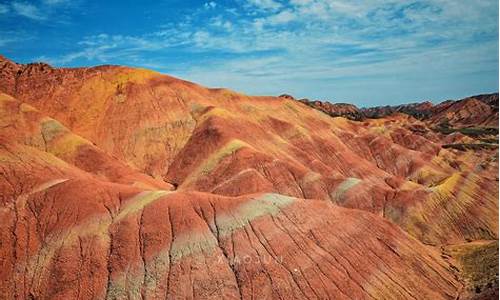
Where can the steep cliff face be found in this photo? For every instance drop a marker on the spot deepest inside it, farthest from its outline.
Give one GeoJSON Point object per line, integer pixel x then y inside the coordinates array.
{"type": "Point", "coordinates": [159, 187]}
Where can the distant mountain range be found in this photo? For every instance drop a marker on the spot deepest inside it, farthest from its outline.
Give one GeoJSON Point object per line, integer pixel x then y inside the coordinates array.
{"type": "Point", "coordinates": [471, 111]}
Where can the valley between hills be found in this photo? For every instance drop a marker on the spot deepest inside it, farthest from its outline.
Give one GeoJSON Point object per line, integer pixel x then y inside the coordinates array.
{"type": "Point", "coordinates": [124, 183]}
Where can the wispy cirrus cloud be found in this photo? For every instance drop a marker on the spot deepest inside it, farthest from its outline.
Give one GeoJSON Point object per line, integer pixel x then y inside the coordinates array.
{"type": "Point", "coordinates": [28, 10]}
{"type": "Point", "coordinates": [36, 11]}
{"type": "Point", "coordinates": [56, 2]}
{"type": "Point", "coordinates": [210, 5]}
{"type": "Point", "coordinates": [265, 4]}
{"type": "Point", "coordinates": [316, 48]}
{"type": "Point", "coordinates": [3, 9]}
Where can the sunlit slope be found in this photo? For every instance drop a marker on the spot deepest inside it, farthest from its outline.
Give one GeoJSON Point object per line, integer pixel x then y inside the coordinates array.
{"type": "Point", "coordinates": [24, 124]}
{"type": "Point", "coordinates": [68, 234]}
{"type": "Point", "coordinates": [222, 142]}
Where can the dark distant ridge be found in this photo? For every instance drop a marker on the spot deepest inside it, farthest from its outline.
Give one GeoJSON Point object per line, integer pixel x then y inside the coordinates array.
{"type": "Point", "coordinates": [480, 109]}
{"type": "Point", "coordinates": [424, 110]}
{"type": "Point", "coordinates": [419, 110]}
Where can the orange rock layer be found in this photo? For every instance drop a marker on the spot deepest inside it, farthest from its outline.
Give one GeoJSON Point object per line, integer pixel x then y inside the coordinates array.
{"type": "Point", "coordinates": [124, 183]}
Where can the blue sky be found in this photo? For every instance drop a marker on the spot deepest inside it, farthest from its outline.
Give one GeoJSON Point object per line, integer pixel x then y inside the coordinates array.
{"type": "Point", "coordinates": [370, 52]}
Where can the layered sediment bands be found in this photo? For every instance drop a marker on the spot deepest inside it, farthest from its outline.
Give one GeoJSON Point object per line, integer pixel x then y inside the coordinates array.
{"type": "Point", "coordinates": [96, 104]}
{"type": "Point", "coordinates": [480, 110]}
{"type": "Point", "coordinates": [26, 125]}
{"type": "Point", "coordinates": [115, 241]}
{"type": "Point", "coordinates": [218, 141]}
{"type": "Point", "coordinates": [124, 183]}
{"type": "Point", "coordinates": [478, 262]}
{"type": "Point", "coordinates": [448, 213]}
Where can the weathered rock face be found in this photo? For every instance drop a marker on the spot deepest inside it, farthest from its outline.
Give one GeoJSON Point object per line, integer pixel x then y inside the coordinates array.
{"type": "Point", "coordinates": [480, 110]}
{"type": "Point", "coordinates": [345, 110]}
{"type": "Point", "coordinates": [24, 124]}
{"type": "Point", "coordinates": [419, 110]}
{"type": "Point", "coordinates": [125, 183]}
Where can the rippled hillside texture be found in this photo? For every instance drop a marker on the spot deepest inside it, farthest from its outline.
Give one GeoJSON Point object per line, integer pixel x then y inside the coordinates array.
{"type": "Point", "coordinates": [122, 183]}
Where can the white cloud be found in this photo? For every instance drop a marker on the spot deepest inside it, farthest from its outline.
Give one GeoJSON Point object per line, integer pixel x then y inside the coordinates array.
{"type": "Point", "coordinates": [282, 17]}
{"type": "Point", "coordinates": [28, 10]}
{"type": "Point", "coordinates": [258, 24]}
{"type": "Point", "coordinates": [347, 78]}
{"type": "Point", "coordinates": [386, 27]}
{"type": "Point", "coordinates": [56, 2]}
{"type": "Point", "coordinates": [300, 2]}
{"type": "Point", "coordinates": [220, 22]}
{"type": "Point", "coordinates": [42, 10]}
{"type": "Point", "coordinates": [3, 9]}
{"type": "Point", "coordinates": [265, 4]}
{"type": "Point", "coordinates": [337, 40]}
{"type": "Point", "coordinates": [5, 41]}
{"type": "Point", "coordinates": [323, 43]}
{"type": "Point", "coordinates": [210, 5]}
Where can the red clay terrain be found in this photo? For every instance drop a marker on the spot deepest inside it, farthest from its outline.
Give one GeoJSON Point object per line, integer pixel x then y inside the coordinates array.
{"type": "Point", "coordinates": [123, 183]}
{"type": "Point", "coordinates": [480, 110]}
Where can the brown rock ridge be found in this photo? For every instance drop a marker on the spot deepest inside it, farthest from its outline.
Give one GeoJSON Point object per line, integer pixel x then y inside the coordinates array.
{"type": "Point", "coordinates": [480, 110]}
{"type": "Point", "coordinates": [419, 110]}
{"type": "Point", "coordinates": [473, 111]}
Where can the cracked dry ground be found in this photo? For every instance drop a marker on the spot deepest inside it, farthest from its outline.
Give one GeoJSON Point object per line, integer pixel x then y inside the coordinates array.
{"type": "Point", "coordinates": [119, 183]}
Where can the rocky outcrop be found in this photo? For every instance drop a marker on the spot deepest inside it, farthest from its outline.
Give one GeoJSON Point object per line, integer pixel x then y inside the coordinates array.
{"type": "Point", "coordinates": [419, 110]}
{"type": "Point", "coordinates": [345, 110]}
{"type": "Point", "coordinates": [467, 112]}
{"type": "Point", "coordinates": [480, 110]}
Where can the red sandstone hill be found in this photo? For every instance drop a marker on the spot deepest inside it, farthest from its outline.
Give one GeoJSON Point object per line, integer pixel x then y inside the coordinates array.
{"type": "Point", "coordinates": [125, 183]}
{"type": "Point", "coordinates": [480, 110]}
{"type": "Point", "coordinates": [467, 112]}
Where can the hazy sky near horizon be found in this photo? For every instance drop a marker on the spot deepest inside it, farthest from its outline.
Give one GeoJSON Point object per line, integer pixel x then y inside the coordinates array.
{"type": "Point", "coordinates": [370, 52]}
